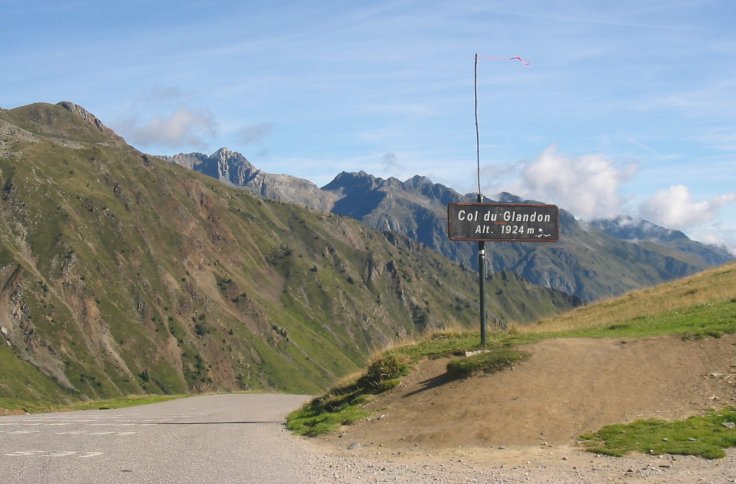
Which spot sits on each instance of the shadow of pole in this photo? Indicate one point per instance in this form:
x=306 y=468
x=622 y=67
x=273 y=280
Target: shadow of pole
x=431 y=383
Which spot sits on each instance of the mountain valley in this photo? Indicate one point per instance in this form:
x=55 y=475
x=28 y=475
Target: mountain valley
x=121 y=274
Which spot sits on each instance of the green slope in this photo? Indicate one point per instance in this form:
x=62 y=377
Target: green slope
x=123 y=274
x=695 y=307
x=698 y=305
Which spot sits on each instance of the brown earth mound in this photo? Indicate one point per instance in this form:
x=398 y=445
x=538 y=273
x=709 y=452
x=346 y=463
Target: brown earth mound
x=568 y=387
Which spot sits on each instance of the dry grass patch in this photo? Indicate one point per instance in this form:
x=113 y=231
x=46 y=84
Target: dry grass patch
x=711 y=287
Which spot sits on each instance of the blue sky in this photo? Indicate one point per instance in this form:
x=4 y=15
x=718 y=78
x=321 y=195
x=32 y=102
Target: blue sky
x=627 y=107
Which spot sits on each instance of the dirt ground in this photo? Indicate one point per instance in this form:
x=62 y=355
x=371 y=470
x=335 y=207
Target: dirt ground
x=541 y=406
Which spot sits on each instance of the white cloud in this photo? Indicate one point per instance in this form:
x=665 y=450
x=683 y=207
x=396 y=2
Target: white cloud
x=391 y=163
x=589 y=186
x=183 y=127
x=716 y=235
x=675 y=208
x=253 y=133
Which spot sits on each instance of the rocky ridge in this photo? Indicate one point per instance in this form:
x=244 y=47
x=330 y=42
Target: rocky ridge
x=591 y=261
x=234 y=168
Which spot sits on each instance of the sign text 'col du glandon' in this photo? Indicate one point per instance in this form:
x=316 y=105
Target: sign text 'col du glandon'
x=511 y=222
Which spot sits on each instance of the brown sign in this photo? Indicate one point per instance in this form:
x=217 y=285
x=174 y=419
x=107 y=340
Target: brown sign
x=510 y=222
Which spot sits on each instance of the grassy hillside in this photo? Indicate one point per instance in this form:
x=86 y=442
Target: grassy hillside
x=697 y=305
x=123 y=274
x=703 y=305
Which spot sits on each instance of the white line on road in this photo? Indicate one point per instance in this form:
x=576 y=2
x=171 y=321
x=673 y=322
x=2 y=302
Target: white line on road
x=60 y=453
x=64 y=453
x=90 y=454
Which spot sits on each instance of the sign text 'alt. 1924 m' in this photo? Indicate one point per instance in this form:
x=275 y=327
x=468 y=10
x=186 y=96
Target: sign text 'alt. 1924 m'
x=510 y=222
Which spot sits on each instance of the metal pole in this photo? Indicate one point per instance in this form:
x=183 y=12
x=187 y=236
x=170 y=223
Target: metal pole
x=481 y=244
x=477 y=132
x=481 y=287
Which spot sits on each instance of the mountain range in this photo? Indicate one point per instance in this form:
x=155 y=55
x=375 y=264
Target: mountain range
x=122 y=273
x=592 y=260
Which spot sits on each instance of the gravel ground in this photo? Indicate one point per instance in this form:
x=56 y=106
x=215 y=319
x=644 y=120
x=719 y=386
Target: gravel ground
x=521 y=425
x=549 y=464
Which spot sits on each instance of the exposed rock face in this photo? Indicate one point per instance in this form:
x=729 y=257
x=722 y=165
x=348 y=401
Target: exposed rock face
x=224 y=165
x=90 y=118
x=234 y=168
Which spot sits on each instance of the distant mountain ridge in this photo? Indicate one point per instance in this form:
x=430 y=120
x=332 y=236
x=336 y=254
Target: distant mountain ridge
x=234 y=168
x=592 y=260
x=636 y=229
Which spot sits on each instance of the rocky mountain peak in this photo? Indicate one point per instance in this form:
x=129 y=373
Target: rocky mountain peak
x=391 y=183
x=228 y=155
x=506 y=197
x=348 y=181
x=232 y=167
x=424 y=186
x=351 y=181
x=89 y=118
x=223 y=164
x=419 y=181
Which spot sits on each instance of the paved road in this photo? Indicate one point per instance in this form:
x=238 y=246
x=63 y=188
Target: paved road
x=217 y=438
x=240 y=438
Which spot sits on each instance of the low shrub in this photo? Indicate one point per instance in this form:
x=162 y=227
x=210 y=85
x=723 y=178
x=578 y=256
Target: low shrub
x=389 y=367
x=486 y=362
x=343 y=405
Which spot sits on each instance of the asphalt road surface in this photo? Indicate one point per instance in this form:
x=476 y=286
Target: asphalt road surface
x=217 y=438
x=241 y=439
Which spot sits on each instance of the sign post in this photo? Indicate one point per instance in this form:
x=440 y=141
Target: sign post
x=500 y=222
x=510 y=222
x=503 y=222
x=481 y=283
